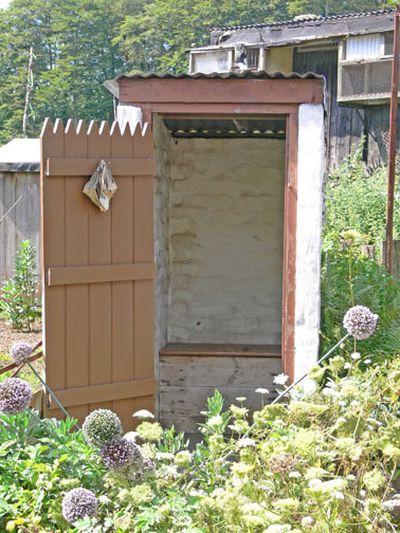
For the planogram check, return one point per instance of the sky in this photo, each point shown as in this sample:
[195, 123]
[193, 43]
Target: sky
[4, 3]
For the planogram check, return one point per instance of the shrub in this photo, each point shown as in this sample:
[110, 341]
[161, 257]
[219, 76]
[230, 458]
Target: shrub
[351, 278]
[40, 461]
[356, 200]
[323, 461]
[19, 303]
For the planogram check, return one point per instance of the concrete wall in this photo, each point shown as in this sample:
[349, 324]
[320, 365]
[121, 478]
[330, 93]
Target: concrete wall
[225, 241]
[22, 222]
[310, 178]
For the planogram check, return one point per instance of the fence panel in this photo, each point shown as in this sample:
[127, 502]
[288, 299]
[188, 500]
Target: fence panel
[98, 269]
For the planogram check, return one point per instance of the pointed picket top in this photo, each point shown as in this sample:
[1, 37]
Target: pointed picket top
[104, 129]
[145, 128]
[93, 128]
[47, 127]
[52, 139]
[58, 127]
[81, 127]
[115, 129]
[75, 138]
[70, 126]
[143, 141]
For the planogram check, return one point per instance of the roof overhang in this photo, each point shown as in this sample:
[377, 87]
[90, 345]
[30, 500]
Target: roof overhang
[171, 92]
[295, 32]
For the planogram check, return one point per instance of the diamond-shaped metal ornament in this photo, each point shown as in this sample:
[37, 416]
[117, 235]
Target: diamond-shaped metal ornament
[101, 186]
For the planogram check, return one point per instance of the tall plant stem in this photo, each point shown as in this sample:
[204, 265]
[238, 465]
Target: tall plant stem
[321, 360]
[52, 394]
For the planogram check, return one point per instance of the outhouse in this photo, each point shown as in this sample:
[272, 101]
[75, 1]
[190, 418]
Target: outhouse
[204, 273]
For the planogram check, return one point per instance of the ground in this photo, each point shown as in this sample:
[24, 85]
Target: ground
[8, 336]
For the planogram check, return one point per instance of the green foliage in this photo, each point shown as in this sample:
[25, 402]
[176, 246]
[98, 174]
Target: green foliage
[157, 37]
[332, 7]
[356, 216]
[78, 44]
[39, 462]
[323, 461]
[356, 200]
[351, 278]
[74, 54]
[19, 302]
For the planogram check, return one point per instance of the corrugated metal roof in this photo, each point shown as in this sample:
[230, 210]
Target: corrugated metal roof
[244, 74]
[297, 22]
[211, 128]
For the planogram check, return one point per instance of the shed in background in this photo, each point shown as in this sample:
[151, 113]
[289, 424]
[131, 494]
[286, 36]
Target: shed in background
[354, 53]
[19, 200]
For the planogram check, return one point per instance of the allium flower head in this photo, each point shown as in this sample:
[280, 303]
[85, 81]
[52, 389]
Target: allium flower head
[78, 503]
[20, 352]
[15, 395]
[282, 463]
[360, 322]
[101, 427]
[120, 453]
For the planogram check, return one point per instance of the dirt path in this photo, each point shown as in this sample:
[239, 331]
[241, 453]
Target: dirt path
[9, 336]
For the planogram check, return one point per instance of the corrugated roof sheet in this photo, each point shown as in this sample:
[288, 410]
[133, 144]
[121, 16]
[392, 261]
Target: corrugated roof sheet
[211, 128]
[244, 74]
[307, 20]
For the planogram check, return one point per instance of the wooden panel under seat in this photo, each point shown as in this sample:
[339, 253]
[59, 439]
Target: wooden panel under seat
[190, 373]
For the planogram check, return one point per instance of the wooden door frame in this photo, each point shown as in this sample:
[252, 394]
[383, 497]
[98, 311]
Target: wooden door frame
[290, 112]
[210, 95]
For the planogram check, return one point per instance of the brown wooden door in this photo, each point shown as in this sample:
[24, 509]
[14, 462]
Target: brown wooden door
[98, 270]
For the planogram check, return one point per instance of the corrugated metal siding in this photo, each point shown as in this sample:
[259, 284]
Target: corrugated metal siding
[365, 47]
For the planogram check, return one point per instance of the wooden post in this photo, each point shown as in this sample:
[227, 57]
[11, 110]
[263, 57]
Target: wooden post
[392, 143]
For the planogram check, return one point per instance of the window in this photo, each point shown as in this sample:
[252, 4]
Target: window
[371, 46]
[365, 64]
[253, 55]
[388, 44]
[211, 61]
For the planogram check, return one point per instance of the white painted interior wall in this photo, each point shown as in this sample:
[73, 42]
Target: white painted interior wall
[311, 169]
[219, 219]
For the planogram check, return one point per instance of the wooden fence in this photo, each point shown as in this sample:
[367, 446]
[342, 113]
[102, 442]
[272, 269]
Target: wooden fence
[98, 270]
[19, 215]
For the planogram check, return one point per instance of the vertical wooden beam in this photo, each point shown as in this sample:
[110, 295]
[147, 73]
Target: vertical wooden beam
[394, 106]
[289, 246]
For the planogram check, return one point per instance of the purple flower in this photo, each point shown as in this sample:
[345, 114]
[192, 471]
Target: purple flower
[15, 395]
[20, 352]
[78, 503]
[120, 453]
[360, 322]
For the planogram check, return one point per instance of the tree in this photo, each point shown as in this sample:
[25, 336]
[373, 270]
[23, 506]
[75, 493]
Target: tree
[157, 37]
[74, 51]
[78, 44]
[332, 7]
